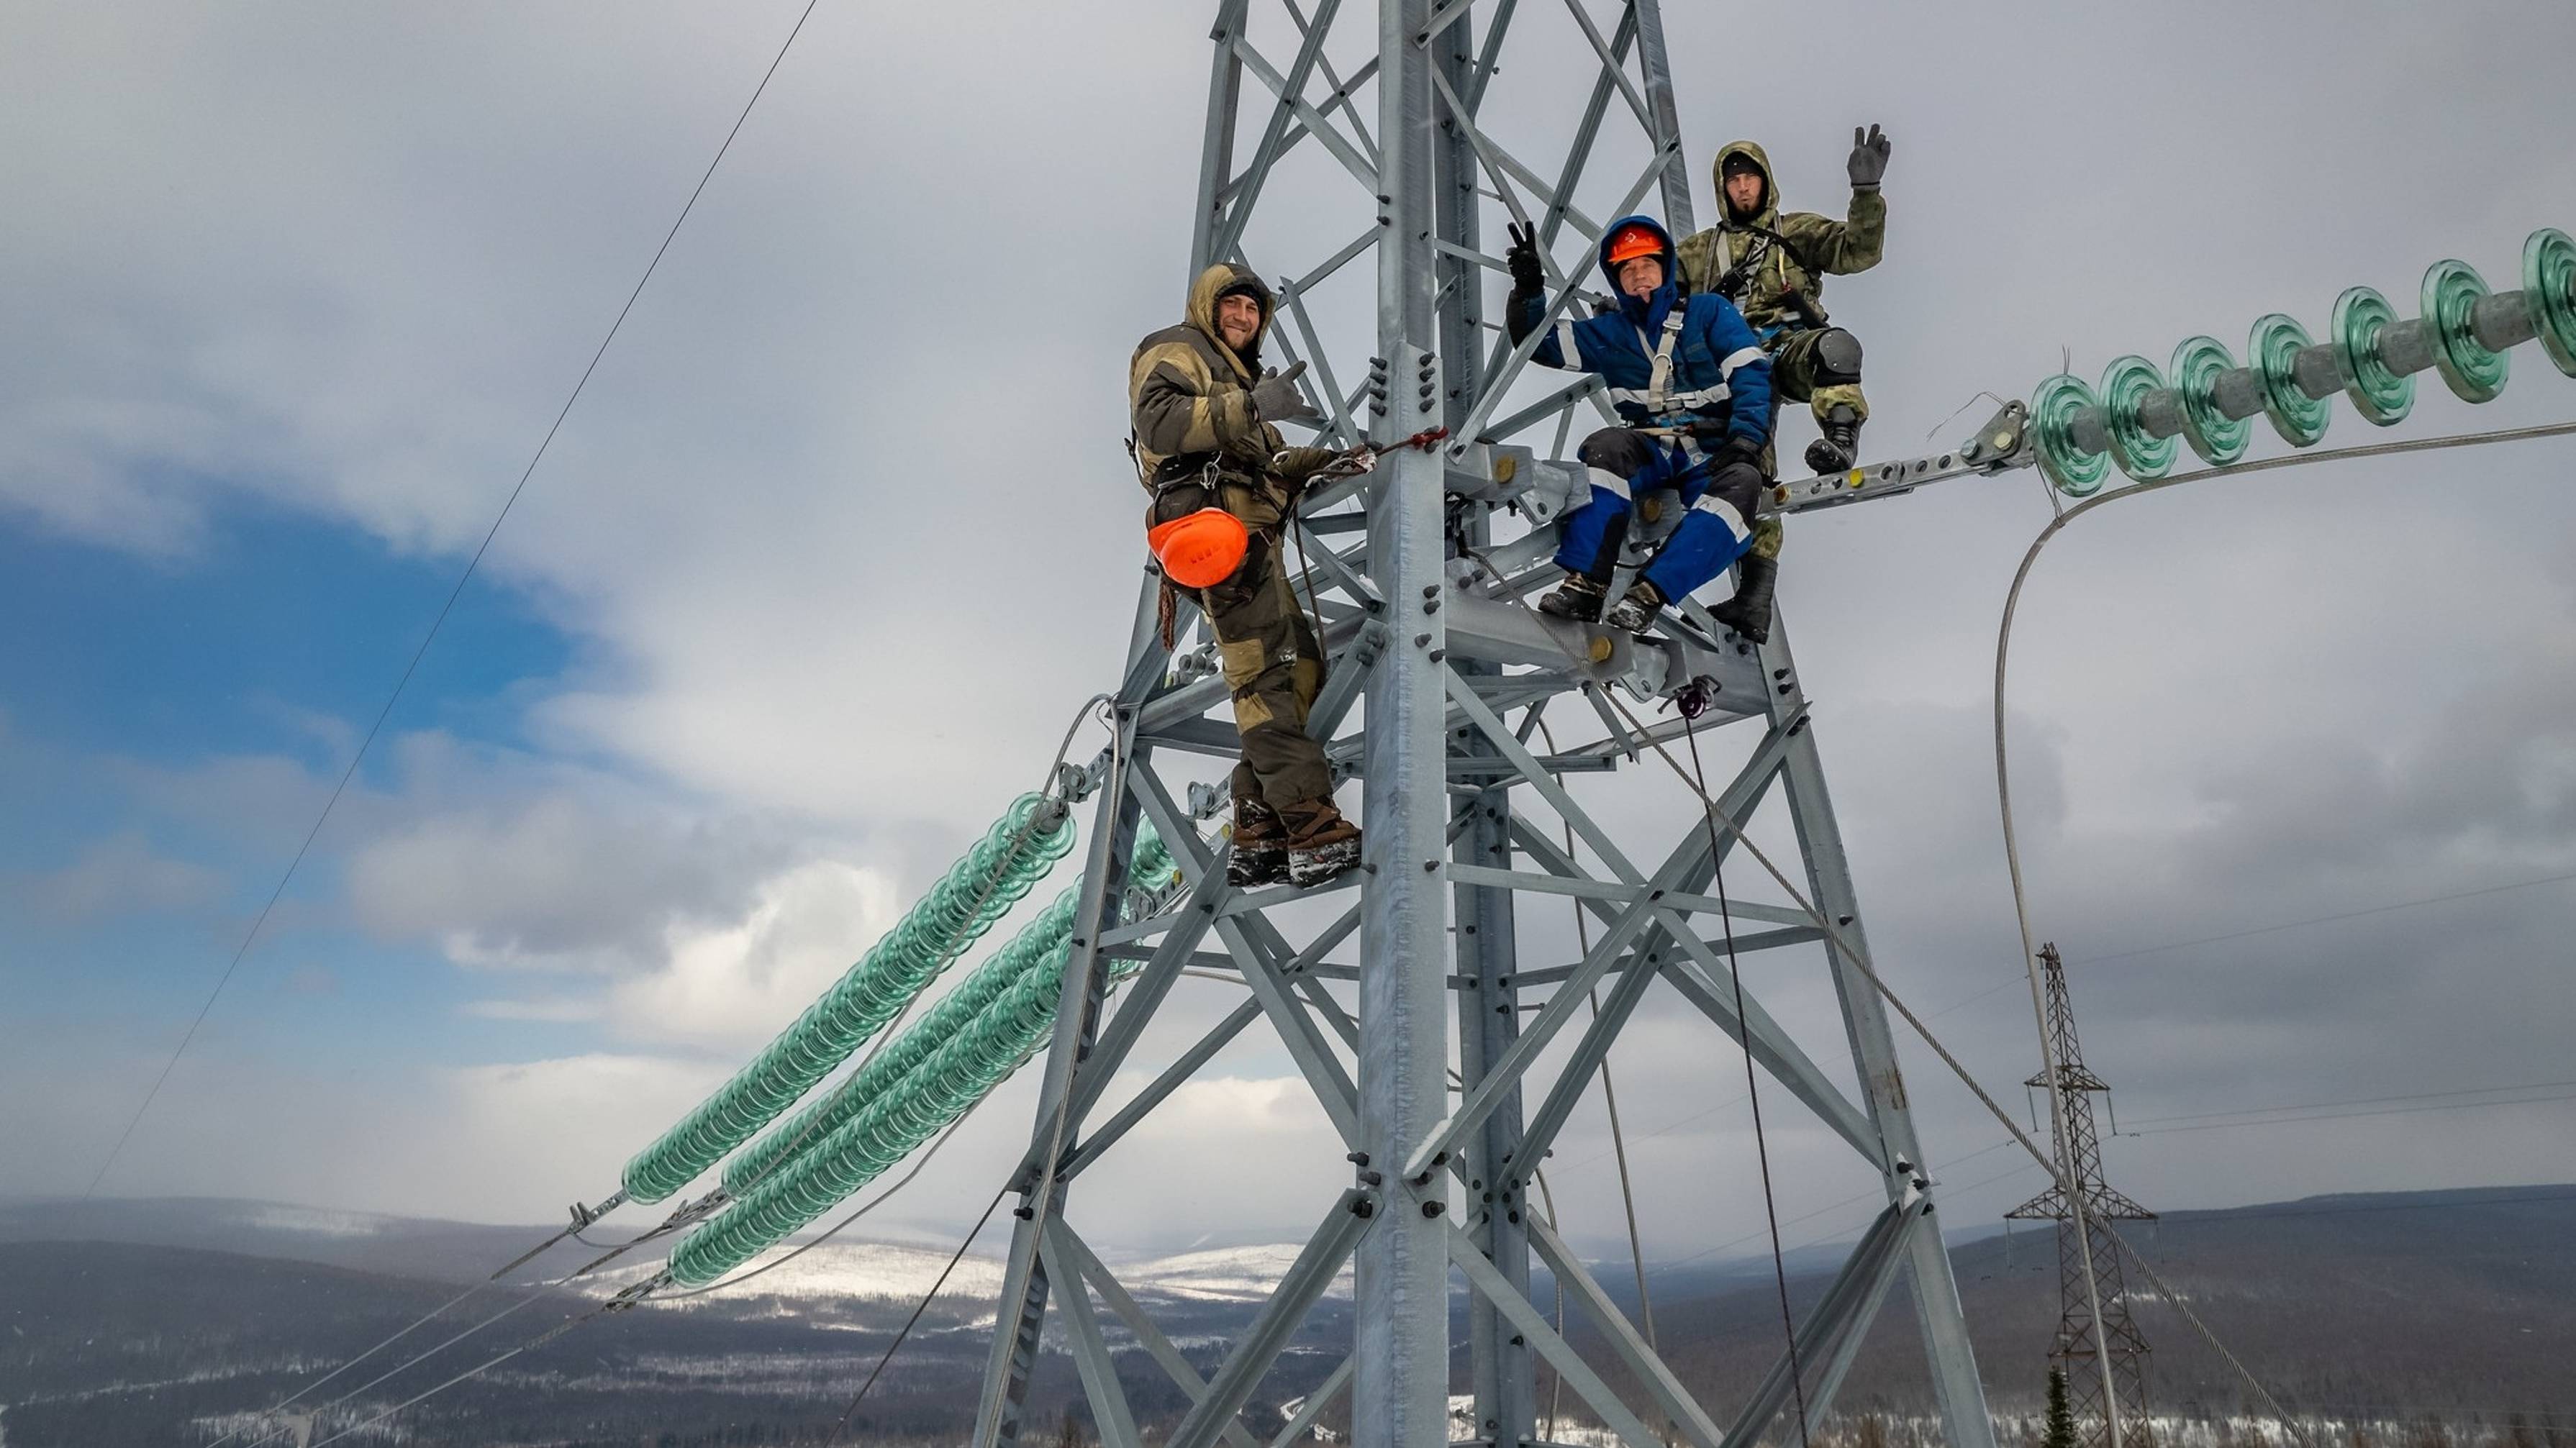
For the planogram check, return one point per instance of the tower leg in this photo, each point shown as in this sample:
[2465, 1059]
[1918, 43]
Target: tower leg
[1488, 1019]
[1400, 1388]
[1023, 1302]
[1820, 842]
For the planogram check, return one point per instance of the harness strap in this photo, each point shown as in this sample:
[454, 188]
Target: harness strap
[1659, 378]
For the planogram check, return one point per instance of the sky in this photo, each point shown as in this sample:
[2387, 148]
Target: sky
[840, 534]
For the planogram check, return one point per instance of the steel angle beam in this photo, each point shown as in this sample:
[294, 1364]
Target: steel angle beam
[1110, 1414]
[1268, 1335]
[1773, 1047]
[1838, 1314]
[1504, 1074]
[1197, 736]
[1828, 1383]
[1160, 1088]
[1077, 1255]
[1829, 882]
[1306, 1046]
[1497, 632]
[1532, 1324]
[1295, 1429]
[1586, 1293]
[1291, 92]
[1021, 1316]
[1194, 916]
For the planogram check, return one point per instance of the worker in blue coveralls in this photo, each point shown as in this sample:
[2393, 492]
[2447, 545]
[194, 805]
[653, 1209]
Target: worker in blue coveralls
[1690, 380]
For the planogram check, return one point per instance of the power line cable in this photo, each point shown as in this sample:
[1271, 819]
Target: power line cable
[2062, 1168]
[2364, 1101]
[2325, 919]
[2351, 1115]
[440, 621]
[918, 1309]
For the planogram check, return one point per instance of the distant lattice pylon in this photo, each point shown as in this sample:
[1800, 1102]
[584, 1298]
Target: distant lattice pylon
[2078, 1348]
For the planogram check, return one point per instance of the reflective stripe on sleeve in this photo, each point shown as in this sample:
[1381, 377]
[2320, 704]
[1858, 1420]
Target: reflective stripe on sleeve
[1566, 346]
[1604, 478]
[1739, 358]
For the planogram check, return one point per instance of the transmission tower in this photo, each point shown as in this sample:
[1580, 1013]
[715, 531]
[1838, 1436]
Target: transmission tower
[2118, 1348]
[1422, 601]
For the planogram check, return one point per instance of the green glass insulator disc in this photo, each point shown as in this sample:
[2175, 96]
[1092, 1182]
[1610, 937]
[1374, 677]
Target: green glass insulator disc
[2549, 290]
[2380, 395]
[2068, 468]
[2452, 290]
[2125, 385]
[2197, 366]
[2272, 350]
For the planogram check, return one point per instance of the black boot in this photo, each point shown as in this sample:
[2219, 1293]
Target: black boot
[1838, 445]
[1577, 598]
[1749, 611]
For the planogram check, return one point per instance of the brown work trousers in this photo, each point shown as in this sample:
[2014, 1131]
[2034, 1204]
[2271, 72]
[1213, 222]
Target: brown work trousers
[1274, 664]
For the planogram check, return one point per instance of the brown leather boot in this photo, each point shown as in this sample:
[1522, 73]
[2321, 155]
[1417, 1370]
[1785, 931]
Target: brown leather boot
[1321, 844]
[1260, 846]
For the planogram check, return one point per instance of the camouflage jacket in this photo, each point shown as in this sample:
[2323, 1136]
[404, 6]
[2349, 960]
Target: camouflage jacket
[1797, 250]
[1189, 401]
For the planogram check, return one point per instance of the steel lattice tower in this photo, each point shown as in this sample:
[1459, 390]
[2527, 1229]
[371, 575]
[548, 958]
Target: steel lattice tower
[1422, 601]
[2079, 1153]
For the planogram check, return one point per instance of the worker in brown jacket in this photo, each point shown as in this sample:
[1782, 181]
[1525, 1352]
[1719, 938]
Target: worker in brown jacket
[1208, 448]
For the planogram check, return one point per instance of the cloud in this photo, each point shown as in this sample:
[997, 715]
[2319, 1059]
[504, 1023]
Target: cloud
[117, 876]
[734, 985]
[582, 878]
[844, 531]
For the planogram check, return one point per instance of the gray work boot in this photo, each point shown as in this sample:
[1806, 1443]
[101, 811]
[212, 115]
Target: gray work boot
[1838, 445]
[1321, 843]
[1577, 598]
[1260, 847]
[1749, 611]
[1636, 610]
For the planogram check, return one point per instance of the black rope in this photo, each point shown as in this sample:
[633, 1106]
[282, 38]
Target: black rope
[923, 1306]
[1691, 705]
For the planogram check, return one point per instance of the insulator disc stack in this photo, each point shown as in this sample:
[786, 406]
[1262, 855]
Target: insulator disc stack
[1043, 938]
[2464, 331]
[965, 902]
[955, 1065]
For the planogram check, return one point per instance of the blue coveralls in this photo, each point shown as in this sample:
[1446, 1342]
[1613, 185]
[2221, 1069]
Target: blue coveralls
[1717, 391]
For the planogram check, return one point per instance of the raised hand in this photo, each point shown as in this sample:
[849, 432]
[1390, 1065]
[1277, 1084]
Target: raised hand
[1868, 164]
[1275, 397]
[1523, 258]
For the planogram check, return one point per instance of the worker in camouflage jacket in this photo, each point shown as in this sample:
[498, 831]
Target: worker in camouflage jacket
[1772, 265]
[1205, 417]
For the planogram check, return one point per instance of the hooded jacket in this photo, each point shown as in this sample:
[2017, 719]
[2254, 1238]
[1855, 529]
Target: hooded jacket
[1803, 249]
[1720, 381]
[1189, 395]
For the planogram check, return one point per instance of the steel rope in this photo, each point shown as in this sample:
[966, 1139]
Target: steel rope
[1761, 1144]
[443, 611]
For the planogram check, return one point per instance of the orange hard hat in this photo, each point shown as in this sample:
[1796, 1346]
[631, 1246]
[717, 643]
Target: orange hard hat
[1633, 242]
[1201, 549]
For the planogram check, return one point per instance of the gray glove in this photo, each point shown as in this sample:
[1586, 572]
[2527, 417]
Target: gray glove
[1275, 397]
[1868, 163]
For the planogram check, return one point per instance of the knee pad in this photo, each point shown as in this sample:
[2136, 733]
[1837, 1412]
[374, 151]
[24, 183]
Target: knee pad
[1837, 357]
[1615, 450]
